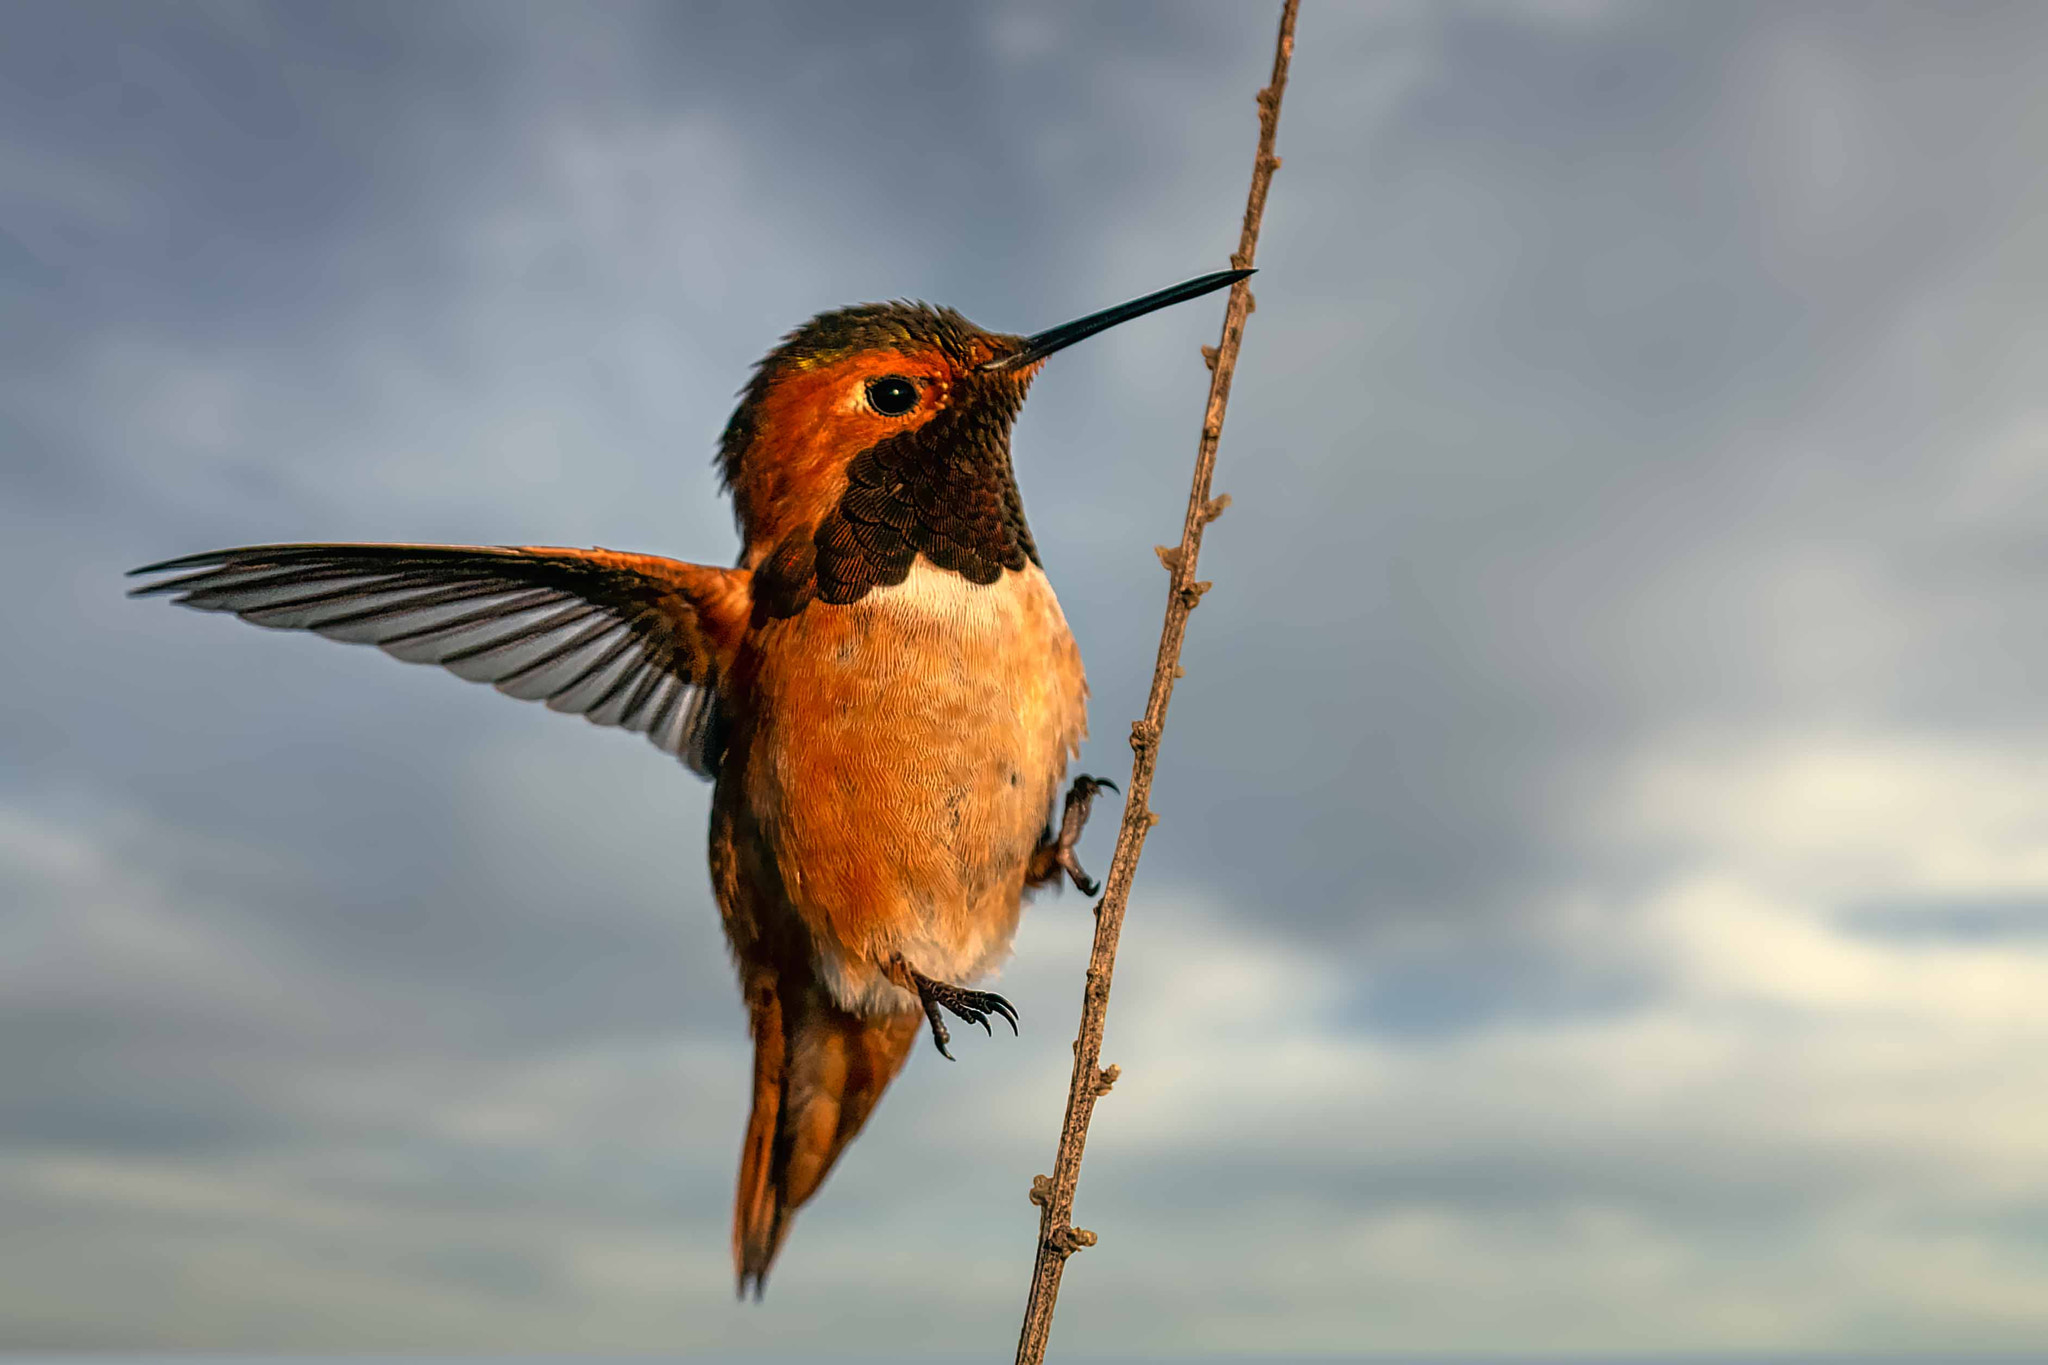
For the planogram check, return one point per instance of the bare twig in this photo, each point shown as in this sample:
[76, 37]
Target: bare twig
[1058, 1238]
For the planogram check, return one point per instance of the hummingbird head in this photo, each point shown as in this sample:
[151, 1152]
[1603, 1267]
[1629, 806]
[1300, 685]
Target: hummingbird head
[875, 433]
[853, 379]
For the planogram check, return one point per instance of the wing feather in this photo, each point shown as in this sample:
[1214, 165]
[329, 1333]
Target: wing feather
[631, 641]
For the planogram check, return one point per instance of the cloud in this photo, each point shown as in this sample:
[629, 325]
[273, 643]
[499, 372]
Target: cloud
[1614, 725]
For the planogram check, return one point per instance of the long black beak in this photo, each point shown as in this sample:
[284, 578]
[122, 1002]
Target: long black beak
[1037, 348]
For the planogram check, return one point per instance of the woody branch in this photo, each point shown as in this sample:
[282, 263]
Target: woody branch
[1058, 1238]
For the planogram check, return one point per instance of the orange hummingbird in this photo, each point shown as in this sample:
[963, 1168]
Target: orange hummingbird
[883, 691]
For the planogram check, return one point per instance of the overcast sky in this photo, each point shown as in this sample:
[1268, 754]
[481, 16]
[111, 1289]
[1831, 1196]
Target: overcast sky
[1601, 898]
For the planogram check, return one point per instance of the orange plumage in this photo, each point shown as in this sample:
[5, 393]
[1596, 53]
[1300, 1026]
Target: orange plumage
[884, 691]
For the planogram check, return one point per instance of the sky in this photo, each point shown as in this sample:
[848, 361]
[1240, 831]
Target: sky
[1600, 902]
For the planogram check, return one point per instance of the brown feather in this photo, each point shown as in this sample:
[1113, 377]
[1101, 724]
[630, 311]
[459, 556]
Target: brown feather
[818, 1073]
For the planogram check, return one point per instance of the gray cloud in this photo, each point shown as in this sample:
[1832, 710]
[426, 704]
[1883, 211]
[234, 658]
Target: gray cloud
[1616, 704]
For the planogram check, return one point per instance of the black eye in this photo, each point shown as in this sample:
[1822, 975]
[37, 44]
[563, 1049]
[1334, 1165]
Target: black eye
[892, 395]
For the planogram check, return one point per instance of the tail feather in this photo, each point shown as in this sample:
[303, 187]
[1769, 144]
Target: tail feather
[818, 1072]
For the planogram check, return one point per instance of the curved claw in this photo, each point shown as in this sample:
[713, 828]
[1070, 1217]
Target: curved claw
[970, 1005]
[939, 1035]
[975, 1006]
[1074, 818]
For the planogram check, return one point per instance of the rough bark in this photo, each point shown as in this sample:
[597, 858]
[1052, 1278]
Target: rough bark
[1058, 1238]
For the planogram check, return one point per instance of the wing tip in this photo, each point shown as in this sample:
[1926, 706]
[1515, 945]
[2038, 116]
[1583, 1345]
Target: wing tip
[181, 578]
[156, 589]
[200, 561]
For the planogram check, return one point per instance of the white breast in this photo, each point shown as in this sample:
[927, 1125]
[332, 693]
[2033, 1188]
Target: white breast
[1020, 600]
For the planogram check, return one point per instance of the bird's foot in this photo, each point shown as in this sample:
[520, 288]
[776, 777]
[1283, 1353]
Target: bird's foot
[973, 1006]
[1056, 855]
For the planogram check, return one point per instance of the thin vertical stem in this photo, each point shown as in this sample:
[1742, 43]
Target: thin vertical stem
[1058, 1238]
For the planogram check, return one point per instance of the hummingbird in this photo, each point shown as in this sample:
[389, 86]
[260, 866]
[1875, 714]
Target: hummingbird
[883, 691]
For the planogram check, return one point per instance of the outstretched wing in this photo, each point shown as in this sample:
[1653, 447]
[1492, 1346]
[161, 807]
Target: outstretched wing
[633, 641]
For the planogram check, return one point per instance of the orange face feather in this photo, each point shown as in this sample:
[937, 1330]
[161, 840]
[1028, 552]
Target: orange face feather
[809, 425]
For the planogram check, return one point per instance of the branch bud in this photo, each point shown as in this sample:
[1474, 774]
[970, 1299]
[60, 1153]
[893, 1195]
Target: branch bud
[1068, 1240]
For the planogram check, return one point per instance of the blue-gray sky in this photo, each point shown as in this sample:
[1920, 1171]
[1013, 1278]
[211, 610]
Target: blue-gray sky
[1601, 901]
